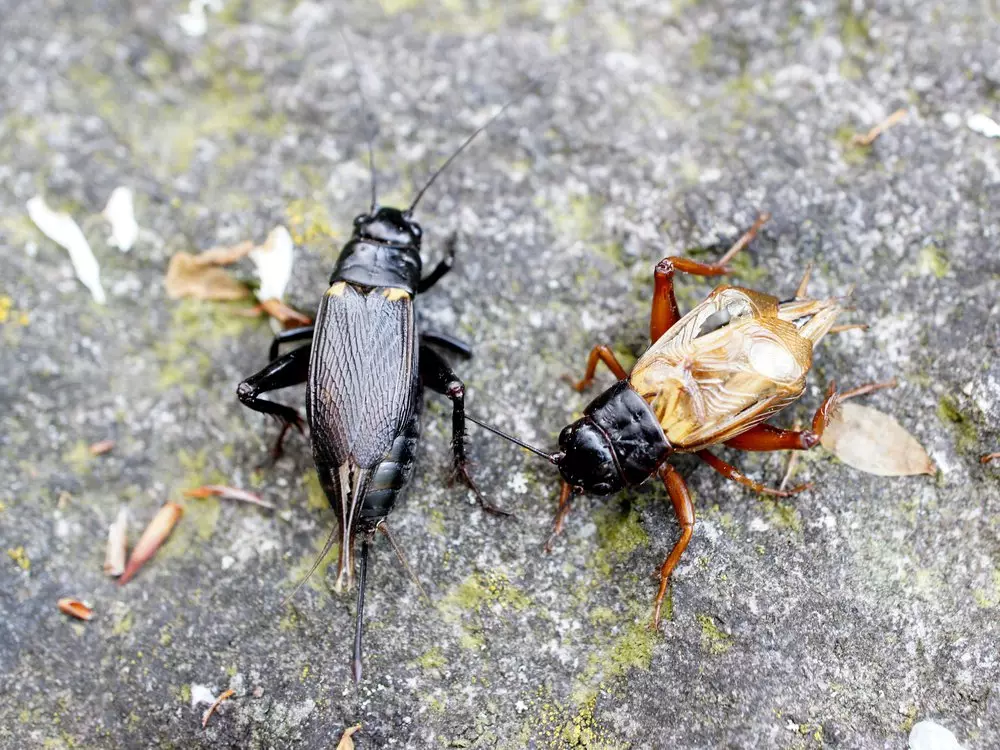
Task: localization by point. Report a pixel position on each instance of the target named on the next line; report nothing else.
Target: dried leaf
(194, 276)
(225, 255)
(274, 264)
(346, 743)
(988, 457)
(154, 535)
(874, 442)
(215, 704)
(75, 608)
(61, 229)
(114, 556)
(120, 213)
(101, 447)
(228, 493)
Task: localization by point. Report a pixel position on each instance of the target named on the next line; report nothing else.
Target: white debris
(120, 213)
(983, 125)
(929, 735)
(274, 263)
(195, 22)
(61, 229)
(201, 694)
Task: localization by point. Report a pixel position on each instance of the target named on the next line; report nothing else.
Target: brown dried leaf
(988, 457)
(190, 276)
(223, 255)
(154, 535)
(101, 447)
(874, 442)
(289, 317)
(346, 743)
(75, 608)
(228, 493)
(211, 709)
(117, 549)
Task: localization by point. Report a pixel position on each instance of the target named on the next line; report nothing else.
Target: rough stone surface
(838, 618)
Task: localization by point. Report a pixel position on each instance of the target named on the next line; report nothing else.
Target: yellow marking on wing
(337, 290)
(393, 293)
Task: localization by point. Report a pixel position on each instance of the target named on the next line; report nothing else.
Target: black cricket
(365, 369)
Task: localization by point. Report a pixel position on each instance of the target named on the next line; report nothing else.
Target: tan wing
(724, 367)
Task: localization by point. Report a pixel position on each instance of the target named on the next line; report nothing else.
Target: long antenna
(551, 457)
(364, 114)
(458, 151)
(361, 610)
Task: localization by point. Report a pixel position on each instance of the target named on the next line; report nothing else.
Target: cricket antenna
(361, 610)
(370, 135)
(467, 141)
(550, 457)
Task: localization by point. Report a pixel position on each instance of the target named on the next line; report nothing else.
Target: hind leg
(437, 375)
(289, 369)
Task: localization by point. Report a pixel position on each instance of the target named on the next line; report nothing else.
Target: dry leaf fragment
(75, 608)
(346, 743)
(869, 138)
(274, 264)
(61, 229)
(988, 457)
(287, 316)
(199, 276)
(228, 493)
(120, 214)
(154, 535)
(874, 442)
(215, 704)
(101, 447)
(114, 556)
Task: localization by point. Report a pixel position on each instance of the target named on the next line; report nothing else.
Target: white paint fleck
(929, 735)
(759, 524)
(980, 123)
(274, 263)
(120, 213)
(195, 22)
(61, 229)
(227, 562)
(201, 694)
(951, 120)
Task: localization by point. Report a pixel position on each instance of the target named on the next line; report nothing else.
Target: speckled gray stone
(837, 618)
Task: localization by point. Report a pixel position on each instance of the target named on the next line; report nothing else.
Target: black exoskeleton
(364, 369)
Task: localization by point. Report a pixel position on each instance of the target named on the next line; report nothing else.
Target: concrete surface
(836, 619)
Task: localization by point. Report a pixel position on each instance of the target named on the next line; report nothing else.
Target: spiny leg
(287, 370)
(440, 378)
(566, 496)
(443, 266)
(605, 355)
(684, 509)
(765, 437)
(731, 472)
(286, 337)
(665, 311)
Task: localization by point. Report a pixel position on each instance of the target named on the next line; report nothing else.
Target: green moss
(392, 7)
(78, 457)
(948, 412)
(617, 536)
(185, 694)
(19, 556)
(745, 270)
(184, 352)
(783, 515)
(933, 260)
(433, 659)
(713, 640)
(701, 52)
(631, 649)
(309, 222)
(315, 496)
(479, 590)
(123, 624)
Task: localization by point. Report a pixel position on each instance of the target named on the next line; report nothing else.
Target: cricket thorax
(733, 361)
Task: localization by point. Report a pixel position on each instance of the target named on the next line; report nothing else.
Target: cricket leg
(437, 375)
(731, 472)
(603, 354)
(287, 370)
(566, 496)
(684, 509)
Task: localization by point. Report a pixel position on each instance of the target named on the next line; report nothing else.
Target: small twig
(211, 709)
(989, 457)
(745, 240)
(228, 493)
(101, 447)
(869, 138)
